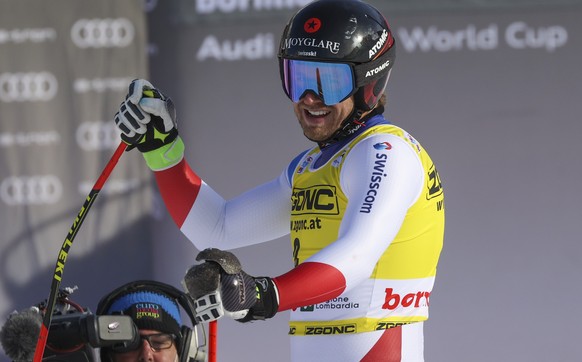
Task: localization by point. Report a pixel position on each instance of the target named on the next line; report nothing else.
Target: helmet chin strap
(350, 125)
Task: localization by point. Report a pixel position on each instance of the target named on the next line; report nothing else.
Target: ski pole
(64, 251)
(213, 339)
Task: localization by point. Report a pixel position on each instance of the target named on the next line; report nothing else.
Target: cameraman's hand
(220, 287)
(147, 120)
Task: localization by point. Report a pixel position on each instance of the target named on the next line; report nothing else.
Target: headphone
(187, 342)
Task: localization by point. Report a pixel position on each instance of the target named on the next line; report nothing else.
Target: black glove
(147, 118)
(220, 287)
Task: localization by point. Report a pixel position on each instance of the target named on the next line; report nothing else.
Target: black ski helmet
(345, 31)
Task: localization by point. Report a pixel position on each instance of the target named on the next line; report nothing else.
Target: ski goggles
(333, 82)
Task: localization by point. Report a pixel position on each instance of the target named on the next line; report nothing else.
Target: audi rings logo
(96, 136)
(31, 190)
(102, 33)
(22, 87)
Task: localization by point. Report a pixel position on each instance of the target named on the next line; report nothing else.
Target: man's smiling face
(318, 121)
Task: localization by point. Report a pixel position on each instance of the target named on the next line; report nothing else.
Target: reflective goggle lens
(332, 82)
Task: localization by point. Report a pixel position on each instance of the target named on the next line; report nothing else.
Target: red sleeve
(179, 187)
(309, 283)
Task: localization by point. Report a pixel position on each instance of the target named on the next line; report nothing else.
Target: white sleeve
(381, 185)
(258, 215)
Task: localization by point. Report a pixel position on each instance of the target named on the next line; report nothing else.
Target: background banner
(64, 69)
(491, 90)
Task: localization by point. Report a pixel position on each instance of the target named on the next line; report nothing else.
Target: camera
(73, 335)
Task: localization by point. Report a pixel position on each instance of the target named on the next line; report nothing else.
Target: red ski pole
(212, 340)
(63, 252)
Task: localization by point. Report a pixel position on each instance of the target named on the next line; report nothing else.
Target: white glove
(209, 308)
(147, 118)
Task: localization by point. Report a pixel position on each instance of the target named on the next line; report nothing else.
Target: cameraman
(153, 307)
(138, 321)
